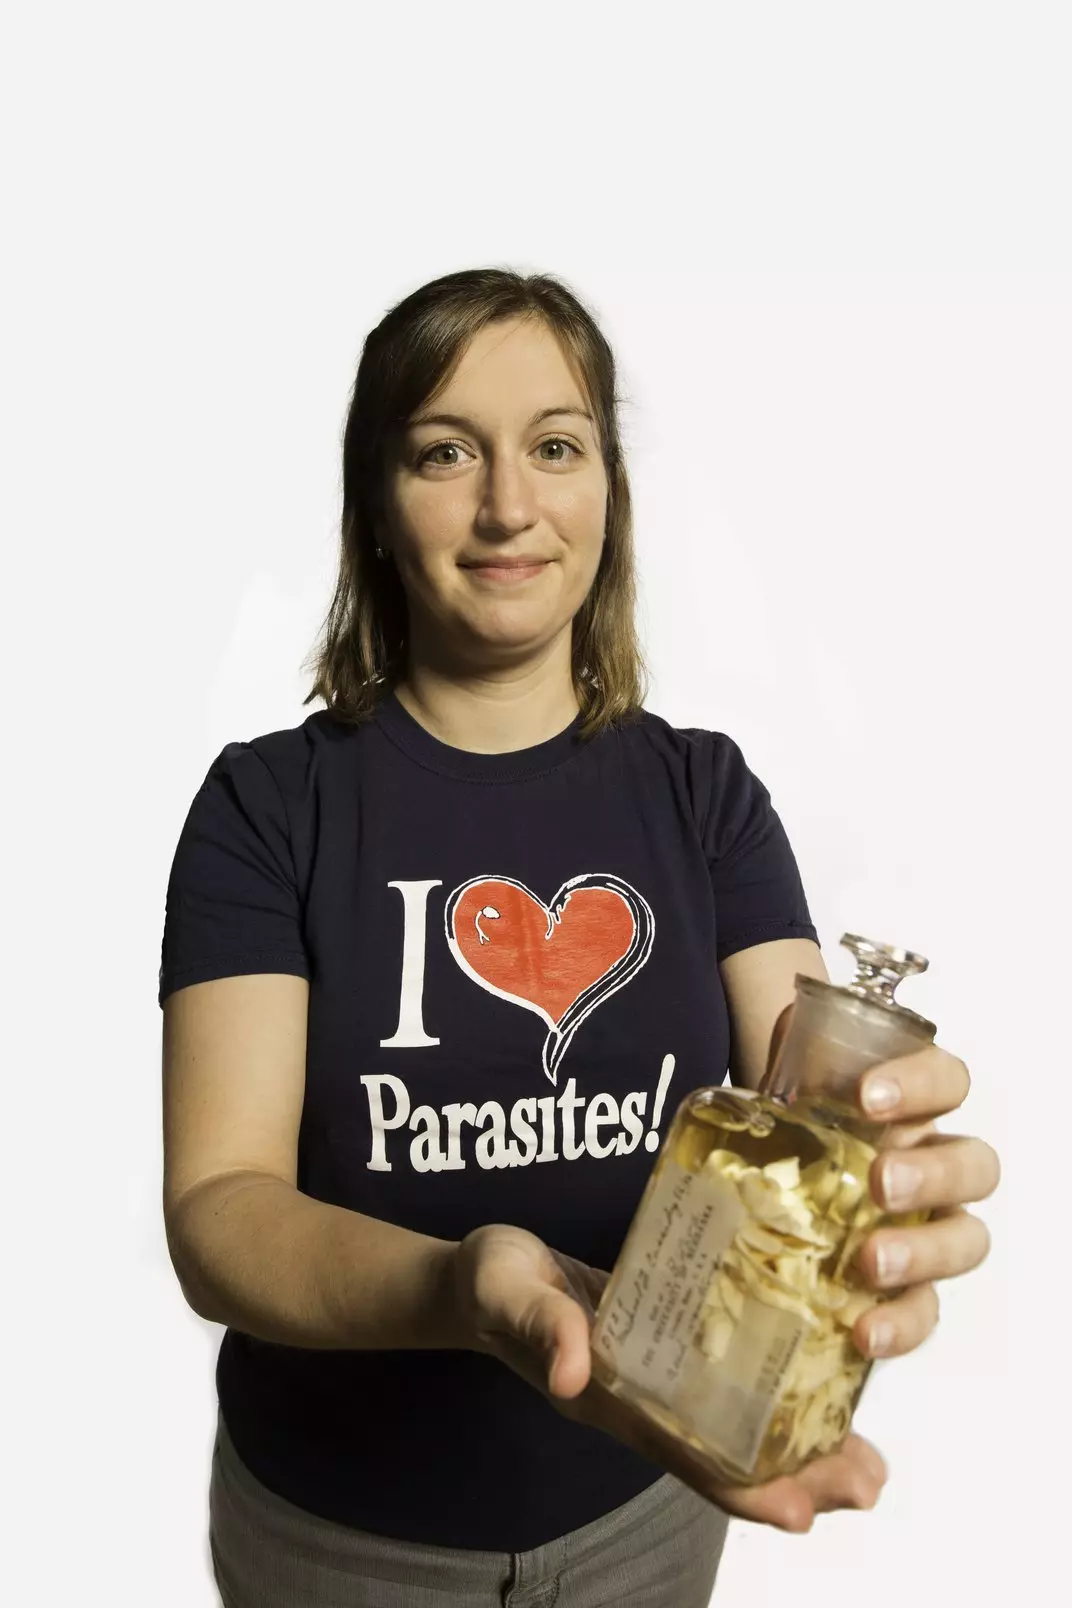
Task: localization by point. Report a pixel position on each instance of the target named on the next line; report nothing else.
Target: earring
(380, 554)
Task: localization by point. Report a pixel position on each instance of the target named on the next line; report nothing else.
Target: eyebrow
(461, 423)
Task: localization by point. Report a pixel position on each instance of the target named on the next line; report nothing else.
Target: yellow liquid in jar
(804, 1183)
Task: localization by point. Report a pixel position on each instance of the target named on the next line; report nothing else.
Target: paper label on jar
(730, 1403)
(648, 1330)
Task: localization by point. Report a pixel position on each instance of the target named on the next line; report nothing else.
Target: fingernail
(891, 1258)
(900, 1180)
(880, 1339)
(881, 1095)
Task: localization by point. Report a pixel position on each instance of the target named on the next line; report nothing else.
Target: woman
(437, 965)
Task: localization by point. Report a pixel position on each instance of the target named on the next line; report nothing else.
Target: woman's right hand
(533, 1309)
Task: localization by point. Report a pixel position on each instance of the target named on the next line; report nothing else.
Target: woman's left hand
(920, 1169)
(917, 1169)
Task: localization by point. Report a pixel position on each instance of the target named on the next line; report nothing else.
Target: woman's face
(497, 513)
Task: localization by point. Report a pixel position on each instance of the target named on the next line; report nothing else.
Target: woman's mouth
(513, 570)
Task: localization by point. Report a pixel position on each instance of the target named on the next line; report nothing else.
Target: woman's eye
(440, 446)
(559, 441)
(457, 446)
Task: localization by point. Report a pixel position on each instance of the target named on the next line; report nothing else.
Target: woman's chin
(510, 638)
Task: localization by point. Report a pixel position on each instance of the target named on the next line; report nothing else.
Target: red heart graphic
(544, 957)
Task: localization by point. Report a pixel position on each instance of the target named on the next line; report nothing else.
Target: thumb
(557, 1327)
(780, 1029)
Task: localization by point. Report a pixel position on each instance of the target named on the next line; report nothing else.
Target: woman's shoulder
(291, 750)
(705, 765)
(688, 744)
(273, 773)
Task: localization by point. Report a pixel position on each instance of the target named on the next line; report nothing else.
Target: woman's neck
(487, 715)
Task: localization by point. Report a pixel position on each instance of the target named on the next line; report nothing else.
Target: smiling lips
(508, 569)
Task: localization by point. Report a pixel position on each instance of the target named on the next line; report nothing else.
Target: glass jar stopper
(880, 967)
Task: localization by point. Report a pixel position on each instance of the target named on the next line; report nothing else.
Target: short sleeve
(232, 905)
(757, 886)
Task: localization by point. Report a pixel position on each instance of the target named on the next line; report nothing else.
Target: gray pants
(661, 1550)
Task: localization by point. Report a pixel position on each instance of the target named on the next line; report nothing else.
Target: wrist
(446, 1322)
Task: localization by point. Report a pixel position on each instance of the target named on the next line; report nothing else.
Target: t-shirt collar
(517, 764)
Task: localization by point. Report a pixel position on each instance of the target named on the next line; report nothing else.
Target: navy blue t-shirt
(513, 969)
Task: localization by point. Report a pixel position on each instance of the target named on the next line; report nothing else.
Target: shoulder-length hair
(362, 651)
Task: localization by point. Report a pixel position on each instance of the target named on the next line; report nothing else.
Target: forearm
(255, 1254)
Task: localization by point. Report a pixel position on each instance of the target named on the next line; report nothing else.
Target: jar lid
(879, 969)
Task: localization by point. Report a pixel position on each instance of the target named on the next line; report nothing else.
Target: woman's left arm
(918, 1167)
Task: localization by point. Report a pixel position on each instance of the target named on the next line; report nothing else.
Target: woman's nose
(509, 500)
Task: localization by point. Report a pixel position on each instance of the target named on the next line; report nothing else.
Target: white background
(830, 246)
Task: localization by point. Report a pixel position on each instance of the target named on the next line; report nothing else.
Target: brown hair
(361, 654)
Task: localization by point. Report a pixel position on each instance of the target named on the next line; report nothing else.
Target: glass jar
(727, 1321)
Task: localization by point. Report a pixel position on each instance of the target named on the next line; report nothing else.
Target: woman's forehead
(519, 367)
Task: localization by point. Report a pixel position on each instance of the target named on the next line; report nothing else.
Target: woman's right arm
(250, 1250)
(254, 1253)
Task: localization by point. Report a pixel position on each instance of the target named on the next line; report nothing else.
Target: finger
(531, 1365)
(869, 1455)
(851, 1477)
(912, 1087)
(778, 1032)
(940, 1171)
(903, 1135)
(944, 1248)
(598, 1279)
(892, 1328)
(783, 1503)
(585, 1283)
